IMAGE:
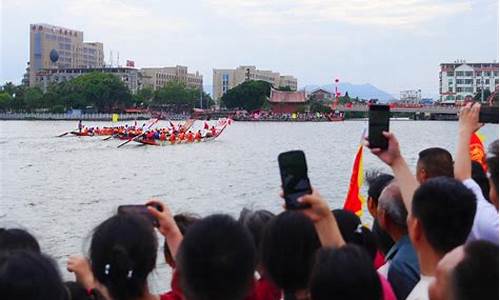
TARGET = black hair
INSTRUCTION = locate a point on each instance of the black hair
(255, 222)
(28, 275)
(446, 209)
(288, 250)
(17, 239)
(216, 259)
(354, 232)
(436, 162)
(123, 253)
(376, 184)
(481, 179)
(345, 273)
(476, 276)
(183, 222)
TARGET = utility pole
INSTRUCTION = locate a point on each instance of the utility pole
(201, 97)
(482, 88)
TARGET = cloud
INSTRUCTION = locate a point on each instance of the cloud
(402, 13)
(127, 16)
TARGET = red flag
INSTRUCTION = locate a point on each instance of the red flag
(206, 126)
(130, 63)
(354, 200)
(476, 149)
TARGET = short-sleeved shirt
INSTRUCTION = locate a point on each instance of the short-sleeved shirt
(403, 272)
(485, 226)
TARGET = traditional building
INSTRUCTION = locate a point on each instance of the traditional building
(288, 102)
(226, 79)
(321, 95)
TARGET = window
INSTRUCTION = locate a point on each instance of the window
(460, 81)
(486, 81)
(459, 89)
(450, 97)
(468, 73)
(478, 73)
(487, 74)
(468, 89)
(459, 73)
(449, 73)
(478, 81)
(450, 89)
(468, 81)
(495, 73)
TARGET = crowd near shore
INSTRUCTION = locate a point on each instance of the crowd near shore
(434, 236)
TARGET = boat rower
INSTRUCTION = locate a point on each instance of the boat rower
(190, 137)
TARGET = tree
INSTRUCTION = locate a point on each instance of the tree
(486, 93)
(249, 95)
(33, 98)
(285, 88)
(144, 96)
(5, 101)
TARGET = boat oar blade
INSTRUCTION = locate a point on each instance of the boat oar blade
(63, 134)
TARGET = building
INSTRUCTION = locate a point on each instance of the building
(410, 96)
(53, 47)
(129, 76)
(226, 79)
(459, 80)
(321, 95)
(156, 78)
(288, 102)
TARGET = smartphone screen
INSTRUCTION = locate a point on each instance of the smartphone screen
(141, 210)
(294, 179)
(488, 114)
(378, 122)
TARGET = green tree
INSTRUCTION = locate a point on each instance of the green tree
(144, 96)
(5, 101)
(33, 98)
(249, 95)
(284, 88)
(477, 96)
(104, 91)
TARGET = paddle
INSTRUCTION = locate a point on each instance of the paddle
(109, 137)
(61, 135)
(137, 136)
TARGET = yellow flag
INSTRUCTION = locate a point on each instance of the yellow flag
(115, 118)
(294, 116)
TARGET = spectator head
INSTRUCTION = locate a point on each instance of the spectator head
(354, 232)
(343, 274)
(442, 214)
(391, 211)
(76, 291)
(28, 275)
(467, 273)
(479, 176)
(183, 221)
(434, 162)
(255, 222)
(376, 184)
(17, 239)
(123, 253)
(492, 162)
(288, 250)
(216, 260)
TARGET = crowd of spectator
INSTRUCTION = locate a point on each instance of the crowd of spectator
(285, 117)
(434, 236)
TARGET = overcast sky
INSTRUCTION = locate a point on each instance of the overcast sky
(392, 44)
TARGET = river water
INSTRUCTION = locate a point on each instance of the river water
(61, 188)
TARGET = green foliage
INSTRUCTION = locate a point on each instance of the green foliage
(33, 98)
(249, 95)
(319, 106)
(284, 88)
(5, 101)
(486, 93)
(144, 97)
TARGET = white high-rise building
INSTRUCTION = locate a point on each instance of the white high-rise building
(460, 80)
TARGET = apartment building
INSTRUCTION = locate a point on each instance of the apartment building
(54, 47)
(226, 79)
(156, 78)
(460, 80)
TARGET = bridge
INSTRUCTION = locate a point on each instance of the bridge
(434, 109)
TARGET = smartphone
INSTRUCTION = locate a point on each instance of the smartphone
(378, 122)
(141, 210)
(294, 179)
(488, 114)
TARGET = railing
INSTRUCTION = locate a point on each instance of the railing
(57, 117)
(451, 110)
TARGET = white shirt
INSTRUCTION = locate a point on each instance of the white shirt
(421, 290)
(485, 225)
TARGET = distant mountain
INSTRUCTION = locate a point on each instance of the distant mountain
(363, 91)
